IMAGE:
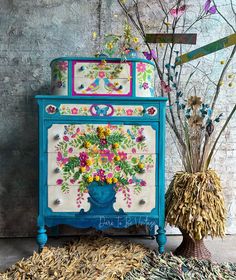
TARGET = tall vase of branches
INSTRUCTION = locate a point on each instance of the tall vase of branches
(194, 199)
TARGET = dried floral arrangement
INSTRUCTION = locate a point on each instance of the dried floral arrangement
(192, 115)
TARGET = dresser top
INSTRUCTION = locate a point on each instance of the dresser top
(102, 98)
(135, 59)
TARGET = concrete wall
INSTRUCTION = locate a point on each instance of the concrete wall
(32, 33)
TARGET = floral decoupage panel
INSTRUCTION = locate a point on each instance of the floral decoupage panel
(121, 155)
(59, 78)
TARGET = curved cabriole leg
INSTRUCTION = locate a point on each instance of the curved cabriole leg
(41, 237)
(161, 240)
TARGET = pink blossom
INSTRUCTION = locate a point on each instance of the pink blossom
(72, 181)
(83, 156)
(70, 150)
(145, 85)
(129, 112)
(141, 67)
(66, 138)
(134, 151)
(130, 181)
(62, 65)
(74, 111)
(109, 175)
(59, 181)
(122, 155)
(117, 168)
(101, 74)
(143, 183)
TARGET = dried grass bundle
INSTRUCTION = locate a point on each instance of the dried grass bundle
(195, 204)
(89, 259)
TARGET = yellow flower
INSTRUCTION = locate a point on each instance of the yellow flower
(107, 131)
(115, 146)
(222, 62)
(141, 165)
(90, 179)
(135, 40)
(96, 178)
(114, 180)
(82, 169)
(110, 45)
(109, 180)
(85, 108)
(100, 129)
(101, 135)
(117, 158)
(87, 144)
(88, 162)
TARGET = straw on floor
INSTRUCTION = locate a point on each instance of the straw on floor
(111, 259)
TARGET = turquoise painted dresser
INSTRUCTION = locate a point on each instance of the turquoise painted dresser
(101, 147)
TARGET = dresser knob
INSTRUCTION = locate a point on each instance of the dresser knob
(81, 86)
(57, 170)
(142, 202)
(57, 137)
(58, 201)
(82, 68)
(120, 87)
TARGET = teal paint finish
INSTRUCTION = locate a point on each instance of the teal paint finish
(101, 216)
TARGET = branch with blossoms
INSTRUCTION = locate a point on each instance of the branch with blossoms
(191, 118)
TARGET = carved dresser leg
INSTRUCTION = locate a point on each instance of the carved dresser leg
(161, 240)
(41, 237)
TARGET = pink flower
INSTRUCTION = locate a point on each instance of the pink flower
(103, 142)
(122, 155)
(83, 156)
(165, 87)
(143, 183)
(82, 163)
(62, 65)
(101, 74)
(130, 181)
(107, 154)
(129, 112)
(59, 181)
(117, 168)
(134, 151)
(72, 181)
(141, 67)
(74, 111)
(109, 175)
(66, 138)
(145, 85)
(70, 150)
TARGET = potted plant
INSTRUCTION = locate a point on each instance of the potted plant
(194, 200)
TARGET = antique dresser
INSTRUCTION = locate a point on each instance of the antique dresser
(101, 147)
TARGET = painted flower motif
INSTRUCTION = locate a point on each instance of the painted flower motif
(130, 181)
(83, 163)
(109, 175)
(141, 67)
(143, 183)
(62, 65)
(151, 111)
(66, 138)
(134, 151)
(59, 182)
(129, 112)
(122, 155)
(101, 74)
(117, 168)
(145, 85)
(107, 154)
(72, 181)
(70, 150)
(140, 138)
(51, 109)
(74, 111)
(103, 142)
(83, 156)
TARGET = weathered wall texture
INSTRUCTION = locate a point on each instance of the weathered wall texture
(32, 33)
